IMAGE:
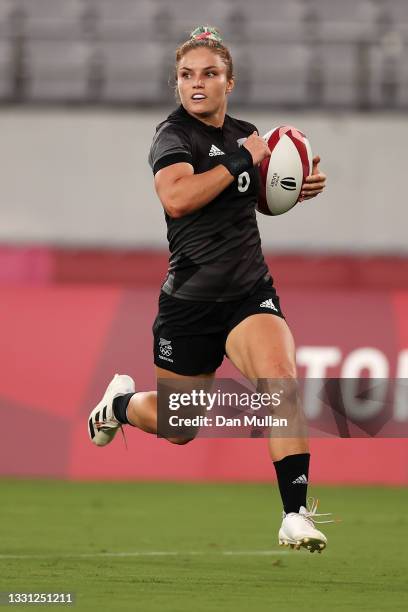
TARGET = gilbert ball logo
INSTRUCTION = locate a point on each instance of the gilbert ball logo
(165, 347)
(288, 183)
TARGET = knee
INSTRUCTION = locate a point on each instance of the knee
(281, 369)
(282, 377)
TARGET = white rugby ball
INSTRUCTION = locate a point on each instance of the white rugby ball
(283, 173)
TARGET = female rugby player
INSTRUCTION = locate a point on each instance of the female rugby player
(218, 297)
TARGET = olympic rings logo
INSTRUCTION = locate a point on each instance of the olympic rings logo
(166, 351)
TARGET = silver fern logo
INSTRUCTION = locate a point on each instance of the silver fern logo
(288, 183)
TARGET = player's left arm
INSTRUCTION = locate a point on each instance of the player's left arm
(314, 183)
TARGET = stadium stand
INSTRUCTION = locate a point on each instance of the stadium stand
(277, 82)
(141, 81)
(6, 11)
(123, 20)
(388, 68)
(52, 19)
(345, 21)
(273, 20)
(186, 17)
(394, 13)
(6, 69)
(243, 69)
(58, 70)
(338, 63)
(348, 54)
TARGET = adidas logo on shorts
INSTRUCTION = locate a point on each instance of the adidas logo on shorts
(215, 151)
(268, 304)
(300, 480)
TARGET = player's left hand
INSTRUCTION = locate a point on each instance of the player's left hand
(314, 183)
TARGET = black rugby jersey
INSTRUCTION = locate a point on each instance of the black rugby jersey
(215, 252)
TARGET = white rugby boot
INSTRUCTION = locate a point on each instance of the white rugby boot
(102, 423)
(298, 529)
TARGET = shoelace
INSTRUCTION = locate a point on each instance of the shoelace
(124, 437)
(112, 425)
(311, 512)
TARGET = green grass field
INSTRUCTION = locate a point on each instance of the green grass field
(199, 547)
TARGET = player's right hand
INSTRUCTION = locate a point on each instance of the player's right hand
(258, 148)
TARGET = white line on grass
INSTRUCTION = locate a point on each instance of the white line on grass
(150, 553)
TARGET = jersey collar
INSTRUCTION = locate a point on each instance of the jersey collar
(211, 129)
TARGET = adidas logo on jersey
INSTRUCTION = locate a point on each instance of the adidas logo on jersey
(268, 304)
(300, 480)
(215, 151)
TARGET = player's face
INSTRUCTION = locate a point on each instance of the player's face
(203, 72)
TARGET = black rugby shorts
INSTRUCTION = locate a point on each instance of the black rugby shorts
(189, 336)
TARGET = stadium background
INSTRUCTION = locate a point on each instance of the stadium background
(83, 83)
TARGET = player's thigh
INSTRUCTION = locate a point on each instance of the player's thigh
(262, 346)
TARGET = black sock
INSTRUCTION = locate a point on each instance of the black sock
(119, 406)
(293, 474)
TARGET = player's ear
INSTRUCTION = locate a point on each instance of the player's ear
(230, 86)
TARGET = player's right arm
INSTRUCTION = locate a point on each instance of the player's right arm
(182, 192)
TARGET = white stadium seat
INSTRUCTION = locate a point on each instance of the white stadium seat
(339, 66)
(403, 78)
(389, 75)
(53, 19)
(6, 10)
(395, 14)
(124, 19)
(189, 15)
(345, 20)
(6, 69)
(279, 73)
(272, 20)
(58, 70)
(135, 71)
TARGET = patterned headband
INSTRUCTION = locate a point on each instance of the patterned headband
(206, 32)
